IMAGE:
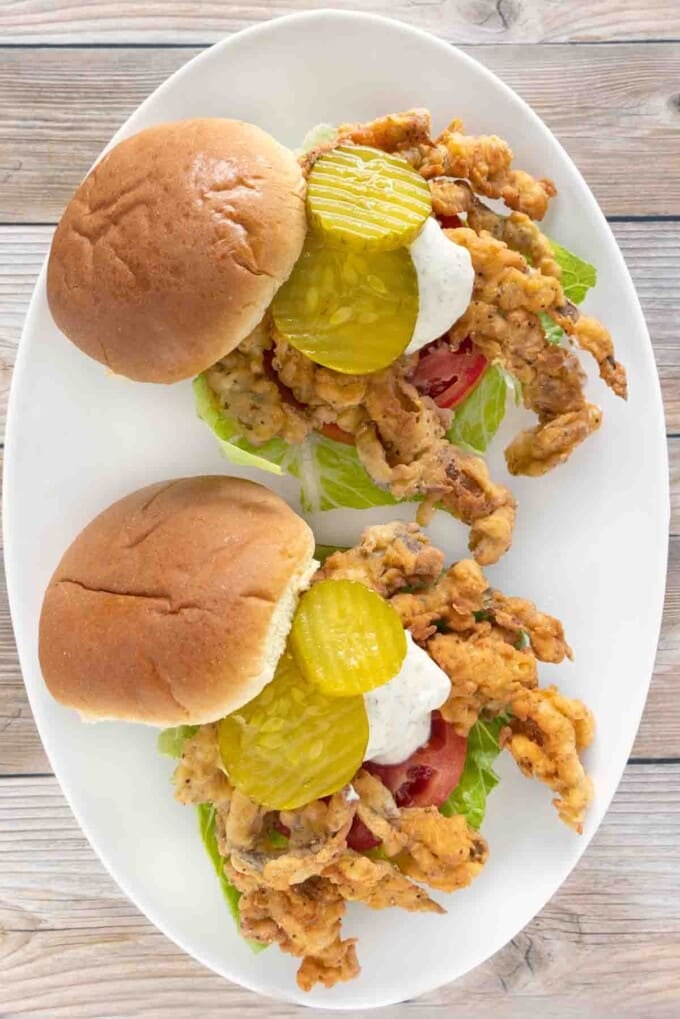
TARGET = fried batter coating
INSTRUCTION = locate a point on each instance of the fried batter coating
(284, 900)
(401, 440)
(485, 673)
(502, 318)
(378, 884)
(338, 964)
(455, 601)
(250, 395)
(400, 435)
(243, 823)
(379, 812)
(304, 861)
(517, 278)
(491, 536)
(318, 836)
(296, 897)
(396, 132)
(391, 133)
(593, 337)
(486, 161)
(502, 278)
(451, 197)
(304, 920)
(294, 893)
(504, 283)
(537, 450)
(405, 446)
(312, 825)
(544, 736)
(272, 390)
(199, 777)
(519, 232)
(461, 601)
(326, 395)
(442, 852)
(482, 653)
(516, 616)
(388, 558)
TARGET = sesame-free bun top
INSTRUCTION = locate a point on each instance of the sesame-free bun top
(174, 604)
(174, 245)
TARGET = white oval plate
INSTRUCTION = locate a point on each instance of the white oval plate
(590, 543)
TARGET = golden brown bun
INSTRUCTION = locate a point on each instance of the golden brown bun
(174, 245)
(174, 604)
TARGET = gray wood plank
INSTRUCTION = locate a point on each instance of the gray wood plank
(62, 105)
(485, 21)
(607, 944)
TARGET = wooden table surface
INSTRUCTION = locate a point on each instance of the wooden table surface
(605, 76)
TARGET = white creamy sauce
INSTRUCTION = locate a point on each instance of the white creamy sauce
(445, 278)
(399, 711)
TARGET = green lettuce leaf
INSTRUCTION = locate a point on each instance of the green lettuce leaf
(522, 641)
(577, 279)
(330, 473)
(514, 386)
(322, 552)
(331, 476)
(272, 456)
(478, 778)
(171, 741)
(206, 826)
(277, 840)
(317, 136)
(479, 416)
(554, 333)
(577, 276)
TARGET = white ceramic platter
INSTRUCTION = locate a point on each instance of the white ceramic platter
(590, 544)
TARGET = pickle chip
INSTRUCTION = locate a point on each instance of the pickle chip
(347, 310)
(293, 743)
(367, 199)
(346, 639)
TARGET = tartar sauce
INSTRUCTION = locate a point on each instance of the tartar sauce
(399, 711)
(445, 278)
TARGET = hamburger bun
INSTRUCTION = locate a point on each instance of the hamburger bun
(174, 604)
(174, 245)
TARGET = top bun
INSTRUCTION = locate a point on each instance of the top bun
(174, 245)
(173, 606)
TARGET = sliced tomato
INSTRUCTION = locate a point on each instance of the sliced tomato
(278, 825)
(426, 778)
(360, 838)
(333, 431)
(450, 222)
(448, 375)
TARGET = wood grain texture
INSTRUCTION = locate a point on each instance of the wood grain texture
(72, 946)
(459, 21)
(62, 105)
